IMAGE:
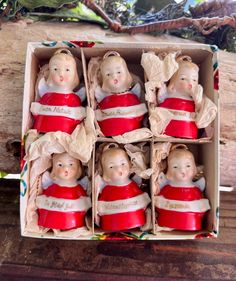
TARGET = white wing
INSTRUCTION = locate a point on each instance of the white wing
(201, 183)
(46, 180)
(81, 93)
(162, 180)
(100, 94)
(137, 179)
(42, 87)
(136, 90)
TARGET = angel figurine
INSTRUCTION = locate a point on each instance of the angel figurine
(184, 99)
(121, 203)
(180, 107)
(119, 107)
(180, 203)
(59, 107)
(64, 203)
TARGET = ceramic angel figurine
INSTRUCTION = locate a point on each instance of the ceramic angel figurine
(121, 203)
(179, 99)
(63, 204)
(119, 107)
(184, 100)
(180, 108)
(180, 204)
(59, 108)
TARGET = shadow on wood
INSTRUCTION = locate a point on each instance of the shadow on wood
(42, 259)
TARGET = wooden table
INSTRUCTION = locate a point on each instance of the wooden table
(29, 259)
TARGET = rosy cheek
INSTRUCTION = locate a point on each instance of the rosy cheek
(54, 76)
(183, 83)
(66, 77)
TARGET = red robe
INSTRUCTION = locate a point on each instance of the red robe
(178, 197)
(60, 103)
(119, 125)
(118, 221)
(183, 126)
(63, 220)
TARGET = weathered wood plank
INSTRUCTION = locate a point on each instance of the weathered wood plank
(34, 273)
(227, 79)
(228, 160)
(227, 213)
(43, 259)
(14, 38)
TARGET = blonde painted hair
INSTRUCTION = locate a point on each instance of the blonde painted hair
(111, 57)
(180, 151)
(183, 61)
(110, 149)
(65, 55)
(57, 156)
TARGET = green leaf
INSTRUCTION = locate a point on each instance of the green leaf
(199, 1)
(2, 174)
(81, 12)
(86, 14)
(32, 4)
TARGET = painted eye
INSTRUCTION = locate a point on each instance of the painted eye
(71, 164)
(123, 164)
(108, 74)
(59, 165)
(188, 166)
(55, 68)
(182, 78)
(111, 167)
(175, 167)
(67, 70)
(118, 72)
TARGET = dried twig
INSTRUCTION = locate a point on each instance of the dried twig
(114, 25)
(205, 25)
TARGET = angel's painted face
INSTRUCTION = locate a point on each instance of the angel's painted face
(65, 167)
(62, 71)
(181, 167)
(116, 165)
(186, 79)
(115, 75)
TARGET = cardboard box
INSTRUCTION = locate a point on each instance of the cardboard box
(205, 151)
